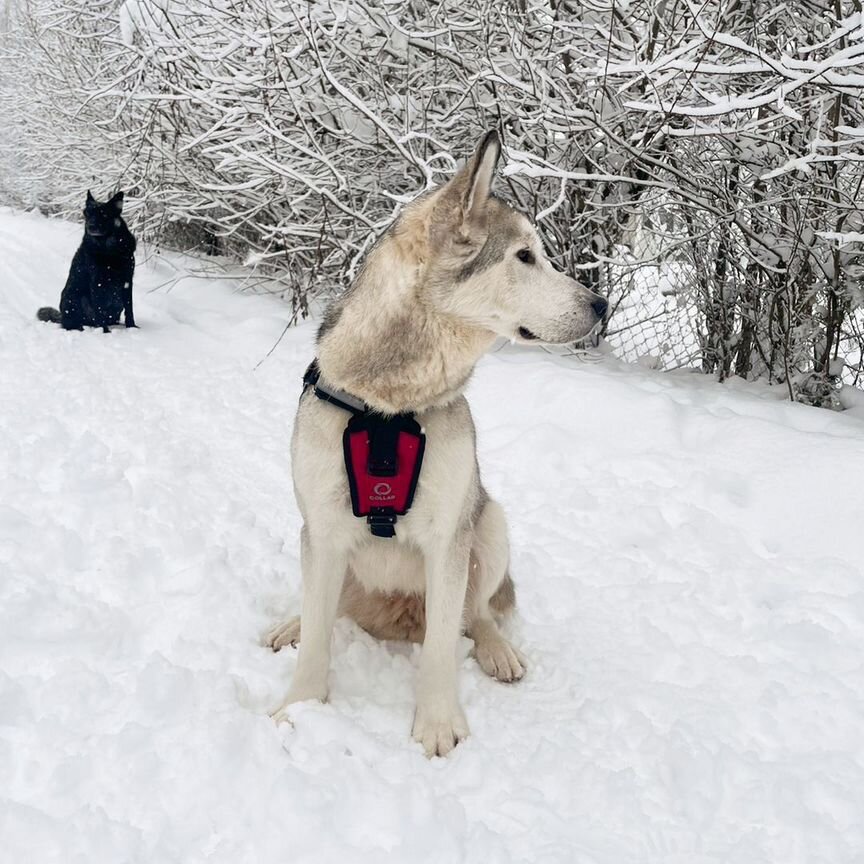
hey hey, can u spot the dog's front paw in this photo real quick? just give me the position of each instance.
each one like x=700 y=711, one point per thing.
x=500 y=660
x=280 y=715
x=286 y=633
x=439 y=731
x=295 y=695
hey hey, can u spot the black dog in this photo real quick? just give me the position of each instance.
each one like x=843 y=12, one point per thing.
x=99 y=286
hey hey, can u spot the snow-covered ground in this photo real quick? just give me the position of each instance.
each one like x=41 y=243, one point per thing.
x=691 y=601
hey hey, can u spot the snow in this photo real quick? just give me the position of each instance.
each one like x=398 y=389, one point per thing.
x=687 y=556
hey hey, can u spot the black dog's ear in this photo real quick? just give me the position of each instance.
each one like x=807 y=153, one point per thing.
x=90 y=199
x=117 y=201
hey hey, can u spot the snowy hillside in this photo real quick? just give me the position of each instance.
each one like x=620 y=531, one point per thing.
x=691 y=604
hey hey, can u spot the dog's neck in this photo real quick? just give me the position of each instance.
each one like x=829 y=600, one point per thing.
x=118 y=244
x=389 y=345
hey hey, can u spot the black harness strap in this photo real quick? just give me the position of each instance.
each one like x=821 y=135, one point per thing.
x=339 y=398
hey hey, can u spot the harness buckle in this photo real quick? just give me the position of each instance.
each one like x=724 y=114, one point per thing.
x=382 y=522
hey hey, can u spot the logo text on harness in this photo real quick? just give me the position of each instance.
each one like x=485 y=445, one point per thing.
x=383 y=492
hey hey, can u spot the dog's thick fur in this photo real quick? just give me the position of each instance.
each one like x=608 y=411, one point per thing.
x=458 y=268
x=99 y=286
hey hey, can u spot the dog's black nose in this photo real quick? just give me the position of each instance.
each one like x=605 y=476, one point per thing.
x=600 y=306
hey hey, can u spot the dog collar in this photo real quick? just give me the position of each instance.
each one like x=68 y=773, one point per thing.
x=383 y=456
x=339 y=398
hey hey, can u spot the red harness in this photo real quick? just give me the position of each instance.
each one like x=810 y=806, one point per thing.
x=383 y=457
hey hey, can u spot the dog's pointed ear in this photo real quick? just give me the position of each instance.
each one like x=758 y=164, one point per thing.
x=458 y=222
x=117 y=201
x=480 y=171
x=90 y=199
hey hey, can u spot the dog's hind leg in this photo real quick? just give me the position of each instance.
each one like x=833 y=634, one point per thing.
x=71 y=314
x=286 y=633
x=491 y=592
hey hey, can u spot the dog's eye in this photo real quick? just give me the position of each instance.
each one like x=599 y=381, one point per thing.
x=526 y=256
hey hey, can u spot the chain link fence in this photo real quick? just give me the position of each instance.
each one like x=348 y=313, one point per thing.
x=658 y=317
x=654 y=317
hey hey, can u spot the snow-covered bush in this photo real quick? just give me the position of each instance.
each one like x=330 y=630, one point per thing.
x=757 y=113
x=714 y=146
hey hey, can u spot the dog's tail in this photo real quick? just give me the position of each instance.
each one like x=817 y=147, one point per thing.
x=48 y=313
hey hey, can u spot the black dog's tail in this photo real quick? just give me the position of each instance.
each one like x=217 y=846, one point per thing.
x=48 y=313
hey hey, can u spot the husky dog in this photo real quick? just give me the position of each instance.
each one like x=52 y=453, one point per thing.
x=99 y=286
x=457 y=269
